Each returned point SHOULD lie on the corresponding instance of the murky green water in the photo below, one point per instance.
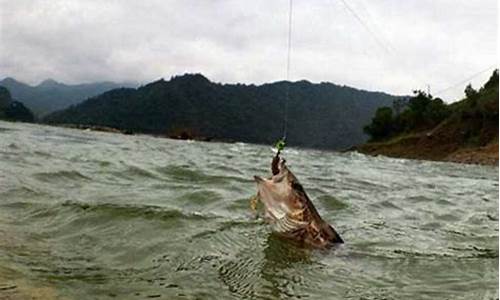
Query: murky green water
(87, 215)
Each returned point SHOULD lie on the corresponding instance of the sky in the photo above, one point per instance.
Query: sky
(384, 45)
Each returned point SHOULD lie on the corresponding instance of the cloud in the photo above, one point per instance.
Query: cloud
(408, 44)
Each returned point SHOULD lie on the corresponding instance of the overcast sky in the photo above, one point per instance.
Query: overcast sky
(398, 46)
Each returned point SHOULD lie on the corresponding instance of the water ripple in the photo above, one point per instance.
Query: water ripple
(98, 215)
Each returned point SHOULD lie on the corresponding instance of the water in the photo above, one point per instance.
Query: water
(89, 215)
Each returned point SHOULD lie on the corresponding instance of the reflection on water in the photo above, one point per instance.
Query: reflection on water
(86, 215)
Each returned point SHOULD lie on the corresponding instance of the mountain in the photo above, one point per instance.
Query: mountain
(464, 131)
(51, 95)
(323, 115)
(12, 110)
(5, 98)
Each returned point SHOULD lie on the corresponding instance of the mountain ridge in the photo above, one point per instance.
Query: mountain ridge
(191, 106)
(50, 95)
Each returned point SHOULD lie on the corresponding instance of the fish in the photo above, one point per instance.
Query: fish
(290, 212)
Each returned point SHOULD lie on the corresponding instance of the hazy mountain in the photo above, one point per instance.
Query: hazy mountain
(51, 95)
(321, 115)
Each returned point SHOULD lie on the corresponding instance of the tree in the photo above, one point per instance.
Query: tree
(436, 112)
(5, 98)
(399, 105)
(16, 111)
(381, 126)
(493, 81)
(419, 102)
(472, 95)
(470, 92)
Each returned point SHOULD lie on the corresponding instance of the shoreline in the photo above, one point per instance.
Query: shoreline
(485, 155)
(418, 147)
(402, 147)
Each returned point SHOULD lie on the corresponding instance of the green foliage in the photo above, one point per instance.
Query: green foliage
(435, 112)
(493, 81)
(319, 115)
(4, 98)
(421, 111)
(470, 92)
(399, 105)
(482, 103)
(471, 95)
(382, 124)
(16, 111)
(13, 110)
(418, 104)
(479, 110)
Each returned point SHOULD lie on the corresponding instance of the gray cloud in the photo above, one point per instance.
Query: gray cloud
(424, 42)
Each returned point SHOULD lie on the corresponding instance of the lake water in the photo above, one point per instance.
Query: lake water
(89, 215)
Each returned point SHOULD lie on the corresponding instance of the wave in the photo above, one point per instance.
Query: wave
(69, 211)
(132, 172)
(331, 203)
(187, 174)
(61, 176)
(137, 211)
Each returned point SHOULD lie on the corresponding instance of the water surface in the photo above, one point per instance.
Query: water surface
(90, 215)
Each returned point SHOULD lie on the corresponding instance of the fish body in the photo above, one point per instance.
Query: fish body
(290, 211)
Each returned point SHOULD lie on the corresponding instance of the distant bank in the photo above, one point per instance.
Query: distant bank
(320, 115)
(420, 146)
(325, 116)
(426, 128)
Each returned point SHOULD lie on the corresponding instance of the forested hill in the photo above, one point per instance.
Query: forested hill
(12, 110)
(51, 95)
(427, 128)
(321, 115)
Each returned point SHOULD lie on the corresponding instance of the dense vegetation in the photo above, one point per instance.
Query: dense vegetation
(420, 112)
(321, 115)
(13, 110)
(427, 128)
(423, 111)
(5, 99)
(50, 95)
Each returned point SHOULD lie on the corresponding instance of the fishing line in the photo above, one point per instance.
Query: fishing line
(288, 61)
(372, 21)
(464, 81)
(367, 28)
(382, 42)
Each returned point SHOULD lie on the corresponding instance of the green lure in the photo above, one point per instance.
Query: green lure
(280, 145)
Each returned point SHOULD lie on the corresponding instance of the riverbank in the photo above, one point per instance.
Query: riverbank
(425, 146)
(465, 131)
(435, 146)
